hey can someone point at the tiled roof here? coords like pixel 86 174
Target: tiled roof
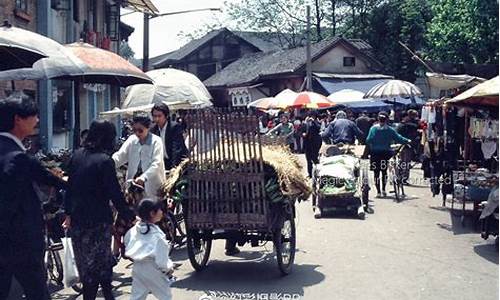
pixel 253 67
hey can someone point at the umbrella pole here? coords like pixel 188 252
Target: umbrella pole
pixel 13 85
pixel 76 130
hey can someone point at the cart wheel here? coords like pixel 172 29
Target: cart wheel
pixel 284 242
pixel 198 250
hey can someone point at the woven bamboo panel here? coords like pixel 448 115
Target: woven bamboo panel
pixel 226 178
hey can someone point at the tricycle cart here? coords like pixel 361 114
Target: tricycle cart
pixel 340 182
pixel 227 189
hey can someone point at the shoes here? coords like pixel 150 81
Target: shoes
pixel 379 195
pixel 232 251
pixel 384 194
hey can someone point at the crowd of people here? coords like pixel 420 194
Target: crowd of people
pixel 376 131
pixel 91 183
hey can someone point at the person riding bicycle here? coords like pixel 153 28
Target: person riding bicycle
pixel 380 138
pixel 342 130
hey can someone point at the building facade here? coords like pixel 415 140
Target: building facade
pixel 96 22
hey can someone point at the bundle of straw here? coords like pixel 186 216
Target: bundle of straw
pixel 291 178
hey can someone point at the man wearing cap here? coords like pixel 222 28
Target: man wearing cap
pixel 380 138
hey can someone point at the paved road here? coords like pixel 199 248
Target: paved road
pixel 409 250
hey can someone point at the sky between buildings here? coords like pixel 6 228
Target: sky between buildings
pixel 164 30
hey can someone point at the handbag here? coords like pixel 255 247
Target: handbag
pixel 70 271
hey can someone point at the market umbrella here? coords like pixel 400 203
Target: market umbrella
pixel 392 89
pixel 103 66
pixel 100 66
pixel 304 100
pixel 16 51
pixel 346 95
pixel 59 61
pixel 272 102
pixel 173 87
pixel 262 103
pixel 485 93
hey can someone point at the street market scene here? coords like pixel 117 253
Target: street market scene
pixel 259 149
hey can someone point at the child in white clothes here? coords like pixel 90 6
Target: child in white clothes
pixel 145 243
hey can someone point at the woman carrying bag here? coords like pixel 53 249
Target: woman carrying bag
pixel 92 184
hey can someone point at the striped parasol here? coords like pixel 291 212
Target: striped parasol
pixel 304 100
pixel 393 88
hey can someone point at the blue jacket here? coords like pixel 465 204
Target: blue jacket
pixel 342 131
pixel 380 138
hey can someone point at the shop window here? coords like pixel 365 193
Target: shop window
pixel 22 5
pixel 349 61
pixel 61 97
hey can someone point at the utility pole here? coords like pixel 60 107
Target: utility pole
pixel 145 45
pixel 147 17
pixel 308 51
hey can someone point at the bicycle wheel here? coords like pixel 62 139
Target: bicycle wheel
pixel 180 225
pixel 198 250
pixel 54 267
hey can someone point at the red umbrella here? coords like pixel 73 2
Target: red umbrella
pixel 305 100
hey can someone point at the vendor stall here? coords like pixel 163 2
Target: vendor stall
pixel 471 134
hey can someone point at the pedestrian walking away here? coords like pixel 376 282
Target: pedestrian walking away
pixel 146 244
pixel 312 141
pixel 342 130
pixel 364 123
pixel 21 217
pixel 379 139
pixel 92 184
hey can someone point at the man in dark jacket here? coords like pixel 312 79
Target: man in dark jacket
pixel 364 123
pixel 172 135
pixel 21 218
pixel 342 130
pixel 312 141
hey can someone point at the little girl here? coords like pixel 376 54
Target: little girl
pixel 145 243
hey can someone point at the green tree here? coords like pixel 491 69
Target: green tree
pixel 287 18
pixel 126 51
pixel 394 21
pixel 463 31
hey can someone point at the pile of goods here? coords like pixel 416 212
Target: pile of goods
pixel 337 175
pixel 284 178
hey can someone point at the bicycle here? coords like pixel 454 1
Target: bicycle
pixel 399 170
pixel 52 256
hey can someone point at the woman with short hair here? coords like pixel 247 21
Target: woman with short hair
pixel 143 151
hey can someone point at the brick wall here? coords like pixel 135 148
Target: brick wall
pixel 23 20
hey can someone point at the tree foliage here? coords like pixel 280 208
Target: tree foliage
pixel 456 31
pixel 463 31
pixel 126 51
pixel 393 22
